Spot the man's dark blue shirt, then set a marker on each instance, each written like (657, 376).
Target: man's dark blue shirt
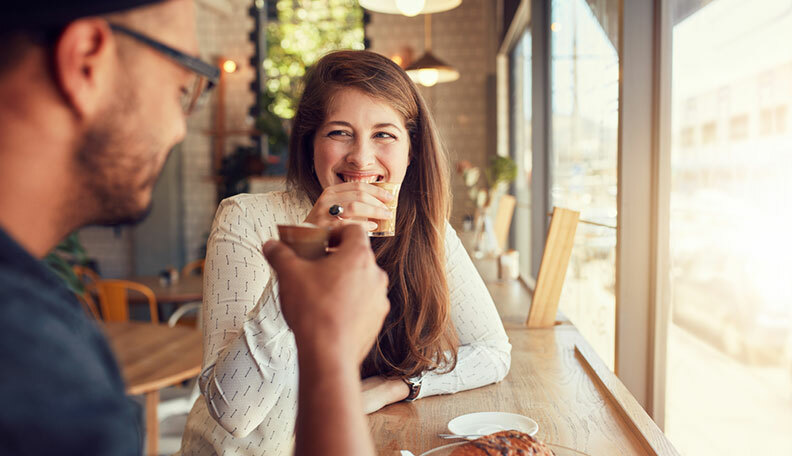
(61, 392)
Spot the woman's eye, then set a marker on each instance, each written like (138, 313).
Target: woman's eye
(339, 133)
(383, 135)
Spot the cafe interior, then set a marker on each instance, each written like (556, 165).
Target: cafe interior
(620, 179)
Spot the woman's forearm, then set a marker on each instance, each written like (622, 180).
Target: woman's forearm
(478, 364)
(379, 391)
(241, 390)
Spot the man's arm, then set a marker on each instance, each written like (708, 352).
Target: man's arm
(330, 419)
(335, 306)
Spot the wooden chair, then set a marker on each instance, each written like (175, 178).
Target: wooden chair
(86, 274)
(552, 270)
(114, 299)
(503, 217)
(87, 277)
(192, 267)
(88, 304)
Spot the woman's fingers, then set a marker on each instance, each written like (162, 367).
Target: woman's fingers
(356, 206)
(355, 203)
(358, 201)
(373, 190)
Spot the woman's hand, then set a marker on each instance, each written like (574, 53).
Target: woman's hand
(360, 202)
(379, 392)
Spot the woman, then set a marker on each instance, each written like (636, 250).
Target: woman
(360, 120)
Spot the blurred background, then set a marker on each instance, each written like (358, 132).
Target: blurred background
(539, 83)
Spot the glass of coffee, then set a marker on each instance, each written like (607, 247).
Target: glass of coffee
(387, 227)
(307, 240)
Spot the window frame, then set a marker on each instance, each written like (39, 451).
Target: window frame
(643, 183)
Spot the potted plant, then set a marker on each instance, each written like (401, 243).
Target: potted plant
(65, 255)
(484, 192)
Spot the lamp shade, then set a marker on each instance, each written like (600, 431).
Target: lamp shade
(409, 7)
(428, 70)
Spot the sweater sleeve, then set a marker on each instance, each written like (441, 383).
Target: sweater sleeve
(250, 356)
(484, 354)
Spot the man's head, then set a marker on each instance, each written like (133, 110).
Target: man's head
(109, 105)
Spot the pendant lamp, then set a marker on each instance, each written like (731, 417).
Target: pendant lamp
(409, 7)
(428, 69)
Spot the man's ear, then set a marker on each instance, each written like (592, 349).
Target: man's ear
(84, 58)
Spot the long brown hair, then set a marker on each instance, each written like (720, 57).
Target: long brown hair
(418, 334)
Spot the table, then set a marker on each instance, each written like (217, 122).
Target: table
(153, 357)
(556, 378)
(187, 289)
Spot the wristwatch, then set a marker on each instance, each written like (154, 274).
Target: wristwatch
(414, 383)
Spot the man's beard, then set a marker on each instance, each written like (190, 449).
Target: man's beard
(110, 160)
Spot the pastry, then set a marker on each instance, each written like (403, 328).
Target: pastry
(504, 443)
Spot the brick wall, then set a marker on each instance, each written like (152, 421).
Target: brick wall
(224, 34)
(464, 109)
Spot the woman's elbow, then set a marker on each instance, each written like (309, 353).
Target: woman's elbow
(230, 421)
(502, 361)
(222, 412)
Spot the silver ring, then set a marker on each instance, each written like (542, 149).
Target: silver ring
(336, 210)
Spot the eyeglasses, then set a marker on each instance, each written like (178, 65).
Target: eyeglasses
(205, 74)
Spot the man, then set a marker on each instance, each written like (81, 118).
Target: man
(93, 95)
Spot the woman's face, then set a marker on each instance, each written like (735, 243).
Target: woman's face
(361, 140)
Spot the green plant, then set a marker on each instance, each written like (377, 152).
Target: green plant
(501, 170)
(272, 125)
(61, 259)
(305, 31)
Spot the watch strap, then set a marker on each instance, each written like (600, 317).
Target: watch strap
(414, 383)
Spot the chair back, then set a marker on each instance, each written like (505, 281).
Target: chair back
(503, 218)
(85, 274)
(114, 299)
(88, 303)
(552, 270)
(87, 277)
(192, 267)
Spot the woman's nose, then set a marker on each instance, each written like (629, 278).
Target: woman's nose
(361, 155)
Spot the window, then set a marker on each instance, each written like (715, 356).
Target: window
(520, 61)
(583, 158)
(301, 32)
(709, 133)
(780, 119)
(738, 127)
(729, 345)
(766, 121)
(687, 137)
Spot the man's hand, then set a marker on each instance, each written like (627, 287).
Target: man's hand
(335, 306)
(339, 300)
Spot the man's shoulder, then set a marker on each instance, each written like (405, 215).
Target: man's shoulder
(36, 327)
(44, 329)
(27, 300)
(60, 380)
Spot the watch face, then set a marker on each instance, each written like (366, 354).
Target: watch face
(415, 387)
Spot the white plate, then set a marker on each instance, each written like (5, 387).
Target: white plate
(489, 422)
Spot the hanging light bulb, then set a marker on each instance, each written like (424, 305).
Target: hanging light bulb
(410, 8)
(428, 77)
(429, 70)
(229, 66)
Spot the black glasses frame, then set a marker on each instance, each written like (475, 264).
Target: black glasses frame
(194, 64)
